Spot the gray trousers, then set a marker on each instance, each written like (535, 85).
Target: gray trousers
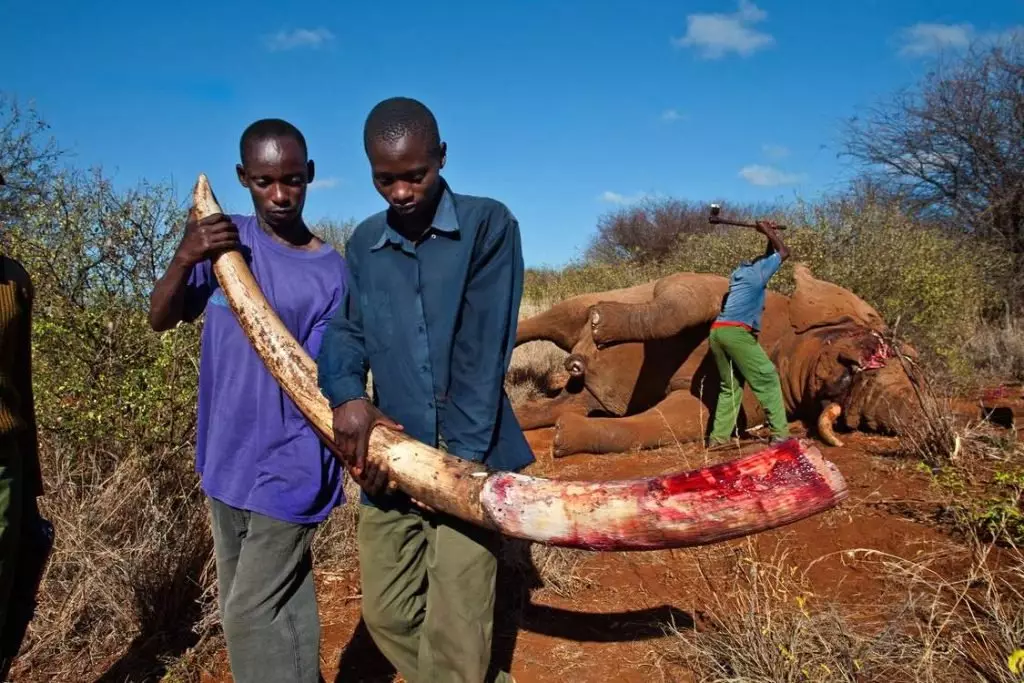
(266, 596)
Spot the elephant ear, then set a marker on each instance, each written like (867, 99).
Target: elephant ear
(816, 303)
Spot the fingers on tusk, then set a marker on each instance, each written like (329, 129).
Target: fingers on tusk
(825, 424)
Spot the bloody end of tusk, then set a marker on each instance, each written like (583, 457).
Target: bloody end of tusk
(765, 490)
(825, 424)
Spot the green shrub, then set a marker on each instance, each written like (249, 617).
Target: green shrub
(116, 411)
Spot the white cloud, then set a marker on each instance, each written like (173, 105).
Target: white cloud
(715, 35)
(324, 183)
(301, 37)
(775, 151)
(768, 176)
(924, 39)
(672, 115)
(615, 198)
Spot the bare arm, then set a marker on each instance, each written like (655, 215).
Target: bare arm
(202, 240)
(767, 228)
(167, 302)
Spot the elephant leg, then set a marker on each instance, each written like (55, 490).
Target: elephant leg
(678, 418)
(678, 304)
(561, 324)
(546, 412)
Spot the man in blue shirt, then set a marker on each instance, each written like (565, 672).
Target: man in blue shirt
(431, 311)
(734, 345)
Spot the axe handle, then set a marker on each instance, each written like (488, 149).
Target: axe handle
(742, 224)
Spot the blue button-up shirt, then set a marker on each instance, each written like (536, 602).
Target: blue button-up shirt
(435, 323)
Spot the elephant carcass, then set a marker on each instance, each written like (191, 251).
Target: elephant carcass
(764, 490)
(645, 377)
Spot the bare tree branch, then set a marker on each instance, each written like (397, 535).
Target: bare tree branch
(953, 149)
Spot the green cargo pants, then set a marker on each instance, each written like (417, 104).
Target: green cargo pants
(428, 593)
(741, 359)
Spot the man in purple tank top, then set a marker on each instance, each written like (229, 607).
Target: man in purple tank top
(269, 479)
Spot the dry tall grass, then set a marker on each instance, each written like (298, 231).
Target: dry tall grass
(532, 365)
(997, 350)
(131, 574)
(765, 624)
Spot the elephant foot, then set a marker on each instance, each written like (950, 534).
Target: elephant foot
(574, 434)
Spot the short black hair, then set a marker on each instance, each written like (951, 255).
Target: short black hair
(265, 129)
(396, 117)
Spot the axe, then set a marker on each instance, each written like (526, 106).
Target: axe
(715, 218)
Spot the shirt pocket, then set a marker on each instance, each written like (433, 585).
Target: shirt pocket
(378, 323)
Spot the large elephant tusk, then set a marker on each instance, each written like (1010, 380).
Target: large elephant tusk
(761, 491)
(826, 419)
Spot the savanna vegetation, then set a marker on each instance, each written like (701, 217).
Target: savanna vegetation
(932, 234)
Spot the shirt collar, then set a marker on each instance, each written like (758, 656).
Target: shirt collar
(445, 220)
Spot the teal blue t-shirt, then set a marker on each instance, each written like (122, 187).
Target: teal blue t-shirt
(747, 285)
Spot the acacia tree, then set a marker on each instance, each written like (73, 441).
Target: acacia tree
(651, 229)
(335, 233)
(953, 148)
(27, 158)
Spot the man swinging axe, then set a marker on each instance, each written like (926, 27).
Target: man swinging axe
(733, 338)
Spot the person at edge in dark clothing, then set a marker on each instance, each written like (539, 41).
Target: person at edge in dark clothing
(26, 539)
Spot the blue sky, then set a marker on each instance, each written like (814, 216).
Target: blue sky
(563, 110)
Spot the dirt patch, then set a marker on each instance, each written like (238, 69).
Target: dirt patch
(612, 627)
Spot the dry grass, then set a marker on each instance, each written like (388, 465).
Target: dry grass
(997, 350)
(967, 624)
(541, 567)
(534, 369)
(977, 465)
(766, 624)
(130, 591)
(562, 569)
(334, 547)
(130, 576)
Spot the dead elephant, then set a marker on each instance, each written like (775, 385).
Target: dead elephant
(641, 376)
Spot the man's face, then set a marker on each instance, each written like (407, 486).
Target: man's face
(407, 174)
(276, 174)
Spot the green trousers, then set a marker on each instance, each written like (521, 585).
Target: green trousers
(428, 593)
(741, 359)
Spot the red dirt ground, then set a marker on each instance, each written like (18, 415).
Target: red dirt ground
(612, 630)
